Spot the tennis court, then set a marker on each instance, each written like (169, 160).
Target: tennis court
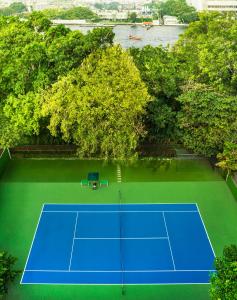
(119, 244)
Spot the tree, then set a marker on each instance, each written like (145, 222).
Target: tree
(38, 22)
(98, 38)
(30, 62)
(18, 7)
(207, 119)
(66, 49)
(74, 13)
(108, 6)
(99, 106)
(207, 51)
(228, 159)
(113, 5)
(22, 60)
(13, 9)
(224, 282)
(158, 68)
(7, 274)
(133, 17)
(179, 8)
(8, 137)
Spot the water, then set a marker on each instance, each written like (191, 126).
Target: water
(154, 36)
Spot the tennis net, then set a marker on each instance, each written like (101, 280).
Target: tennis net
(120, 241)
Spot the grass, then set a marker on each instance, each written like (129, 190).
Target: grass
(27, 184)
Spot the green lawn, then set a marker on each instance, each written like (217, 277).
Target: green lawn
(27, 184)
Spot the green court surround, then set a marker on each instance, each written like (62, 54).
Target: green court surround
(26, 184)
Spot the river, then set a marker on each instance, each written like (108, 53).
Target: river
(154, 36)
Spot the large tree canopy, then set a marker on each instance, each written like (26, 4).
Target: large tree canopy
(207, 51)
(158, 68)
(207, 119)
(30, 61)
(193, 87)
(179, 8)
(99, 105)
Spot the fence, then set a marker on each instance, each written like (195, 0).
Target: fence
(233, 186)
(4, 158)
(41, 151)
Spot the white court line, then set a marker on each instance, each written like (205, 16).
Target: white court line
(119, 238)
(134, 203)
(206, 230)
(118, 271)
(169, 240)
(32, 243)
(123, 211)
(74, 234)
(123, 271)
(119, 284)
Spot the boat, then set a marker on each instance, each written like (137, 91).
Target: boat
(148, 25)
(134, 37)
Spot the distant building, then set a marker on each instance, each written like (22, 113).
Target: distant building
(146, 11)
(214, 5)
(170, 20)
(221, 5)
(112, 14)
(69, 22)
(197, 4)
(5, 3)
(156, 22)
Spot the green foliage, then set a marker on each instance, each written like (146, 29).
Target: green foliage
(23, 112)
(7, 274)
(19, 117)
(30, 62)
(158, 68)
(155, 9)
(98, 38)
(18, 7)
(7, 136)
(178, 8)
(99, 106)
(160, 121)
(224, 282)
(80, 12)
(14, 8)
(208, 51)
(207, 119)
(34, 55)
(228, 159)
(133, 17)
(38, 22)
(22, 57)
(108, 6)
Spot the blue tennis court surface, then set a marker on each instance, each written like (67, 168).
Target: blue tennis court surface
(119, 244)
